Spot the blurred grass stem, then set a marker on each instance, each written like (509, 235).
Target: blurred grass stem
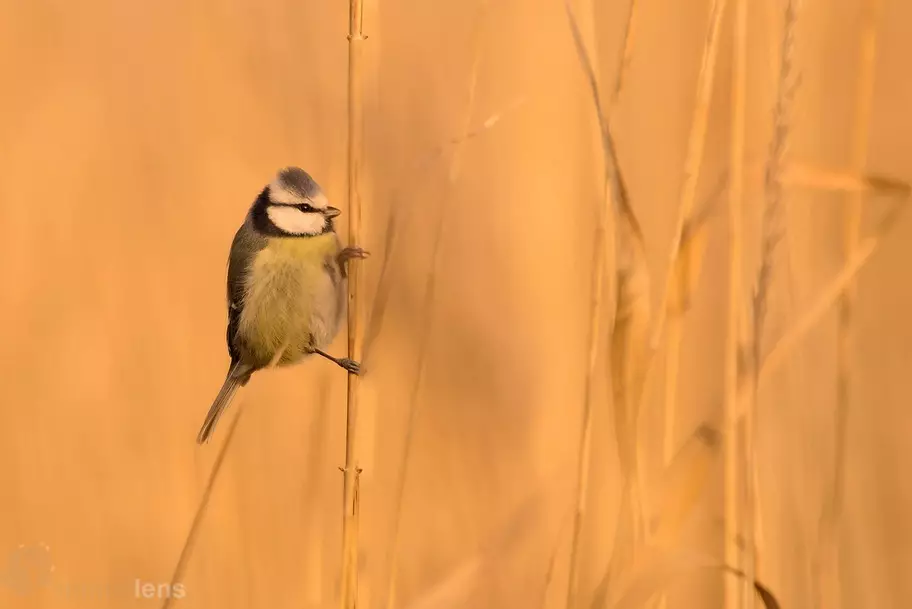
(734, 340)
(852, 216)
(430, 292)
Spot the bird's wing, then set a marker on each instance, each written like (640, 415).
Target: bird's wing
(247, 242)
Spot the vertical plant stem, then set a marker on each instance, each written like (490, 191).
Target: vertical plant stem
(430, 294)
(851, 229)
(595, 309)
(617, 236)
(735, 305)
(626, 54)
(631, 311)
(599, 264)
(684, 261)
(772, 227)
(352, 471)
(686, 242)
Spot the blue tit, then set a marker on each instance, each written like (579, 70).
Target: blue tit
(286, 284)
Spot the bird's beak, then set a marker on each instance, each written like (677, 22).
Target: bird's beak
(332, 212)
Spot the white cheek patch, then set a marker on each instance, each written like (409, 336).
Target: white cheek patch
(294, 221)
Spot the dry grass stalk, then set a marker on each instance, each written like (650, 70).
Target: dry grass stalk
(552, 561)
(830, 295)
(799, 175)
(772, 227)
(352, 471)
(683, 485)
(661, 562)
(385, 281)
(734, 338)
(629, 355)
(656, 568)
(623, 250)
(626, 54)
(183, 560)
(829, 520)
(187, 549)
(630, 327)
(430, 297)
(595, 318)
(779, 352)
(478, 577)
(688, 241)
(374, 325)
(629, 336)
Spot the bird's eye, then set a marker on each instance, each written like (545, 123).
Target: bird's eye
(305, 208)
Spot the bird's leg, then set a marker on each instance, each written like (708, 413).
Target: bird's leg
(278, 355)
(350, 365)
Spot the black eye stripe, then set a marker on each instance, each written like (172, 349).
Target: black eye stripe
(306, 208)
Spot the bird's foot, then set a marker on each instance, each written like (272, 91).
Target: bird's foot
(350, 365)
(350, 253)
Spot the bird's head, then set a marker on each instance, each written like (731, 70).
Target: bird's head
(296, 205)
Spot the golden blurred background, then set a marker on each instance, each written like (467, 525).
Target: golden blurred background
(134, 138)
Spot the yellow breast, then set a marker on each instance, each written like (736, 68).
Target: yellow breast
(291, 300)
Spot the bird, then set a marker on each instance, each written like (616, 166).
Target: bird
(287, 276)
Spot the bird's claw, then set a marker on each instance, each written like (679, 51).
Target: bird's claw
(350, 365)
(349, 253)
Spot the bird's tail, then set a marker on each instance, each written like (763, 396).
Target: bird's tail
(237, 377)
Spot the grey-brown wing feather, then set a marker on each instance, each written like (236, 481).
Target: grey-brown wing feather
(245, 246)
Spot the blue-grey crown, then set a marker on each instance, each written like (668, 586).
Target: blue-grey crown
(298, 181)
